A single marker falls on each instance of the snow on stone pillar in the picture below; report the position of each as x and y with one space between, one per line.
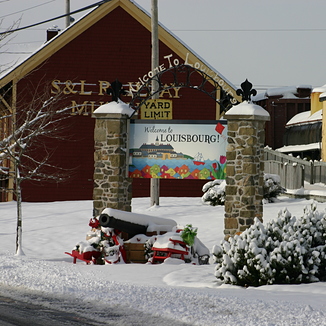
112 187
245 167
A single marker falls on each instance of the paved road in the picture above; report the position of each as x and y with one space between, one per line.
36 310
13 312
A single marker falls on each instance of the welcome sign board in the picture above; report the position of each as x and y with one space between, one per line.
177 149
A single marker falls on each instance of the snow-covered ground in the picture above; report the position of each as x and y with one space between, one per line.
182 292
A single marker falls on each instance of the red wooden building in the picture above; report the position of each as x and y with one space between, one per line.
282 104
111 42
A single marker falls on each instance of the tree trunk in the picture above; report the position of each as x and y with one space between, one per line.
19 230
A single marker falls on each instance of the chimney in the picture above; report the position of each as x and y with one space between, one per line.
52 32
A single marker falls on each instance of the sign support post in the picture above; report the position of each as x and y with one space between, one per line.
155 183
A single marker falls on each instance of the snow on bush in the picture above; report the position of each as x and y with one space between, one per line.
214 191
272 187
288 250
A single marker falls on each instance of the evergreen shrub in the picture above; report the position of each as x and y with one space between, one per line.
289 250
214 191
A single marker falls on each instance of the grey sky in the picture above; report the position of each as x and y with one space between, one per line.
273 43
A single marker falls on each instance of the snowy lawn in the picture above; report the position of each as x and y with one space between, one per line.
183 292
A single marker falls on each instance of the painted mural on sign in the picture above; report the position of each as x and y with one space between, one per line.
176 149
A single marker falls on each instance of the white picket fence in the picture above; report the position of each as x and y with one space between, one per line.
293 171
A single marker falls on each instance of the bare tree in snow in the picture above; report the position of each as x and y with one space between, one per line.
24 153
5 38
26 146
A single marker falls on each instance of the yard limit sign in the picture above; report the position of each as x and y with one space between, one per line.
156 109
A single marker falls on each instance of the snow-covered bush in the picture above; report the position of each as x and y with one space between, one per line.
272 187
287 250
214 191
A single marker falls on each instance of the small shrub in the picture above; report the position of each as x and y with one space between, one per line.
288 250
214 191
188 235
272 187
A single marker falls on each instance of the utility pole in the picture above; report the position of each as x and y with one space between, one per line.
67 12
155 183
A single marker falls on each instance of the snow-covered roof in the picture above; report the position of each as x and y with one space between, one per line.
299 148
286 92
320 89
259 97
305 118
322 96
25 58
85 17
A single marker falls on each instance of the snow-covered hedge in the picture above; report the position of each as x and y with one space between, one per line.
287 250
214 191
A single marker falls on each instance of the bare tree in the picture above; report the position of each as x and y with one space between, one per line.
5 38
26 147
24 153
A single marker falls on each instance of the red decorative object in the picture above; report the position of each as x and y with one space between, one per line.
219 128
222 159
122 249
94 223
88 257
160 254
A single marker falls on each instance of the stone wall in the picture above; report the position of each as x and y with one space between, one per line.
112 187
245 168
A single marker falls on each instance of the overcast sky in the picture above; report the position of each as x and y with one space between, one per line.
273 43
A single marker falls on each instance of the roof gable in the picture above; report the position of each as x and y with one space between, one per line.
80 26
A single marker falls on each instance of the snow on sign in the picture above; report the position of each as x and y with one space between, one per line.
177 149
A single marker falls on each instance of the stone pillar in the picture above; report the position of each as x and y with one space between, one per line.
112 187
245 167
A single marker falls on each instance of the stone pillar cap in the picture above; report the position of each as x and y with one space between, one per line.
113 108
247 110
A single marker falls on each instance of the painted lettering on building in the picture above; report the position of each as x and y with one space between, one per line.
87 107
84 88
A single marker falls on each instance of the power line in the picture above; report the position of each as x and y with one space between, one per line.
10 52
20 43
55 18
17 12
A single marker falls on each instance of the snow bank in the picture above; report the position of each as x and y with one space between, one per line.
188 293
